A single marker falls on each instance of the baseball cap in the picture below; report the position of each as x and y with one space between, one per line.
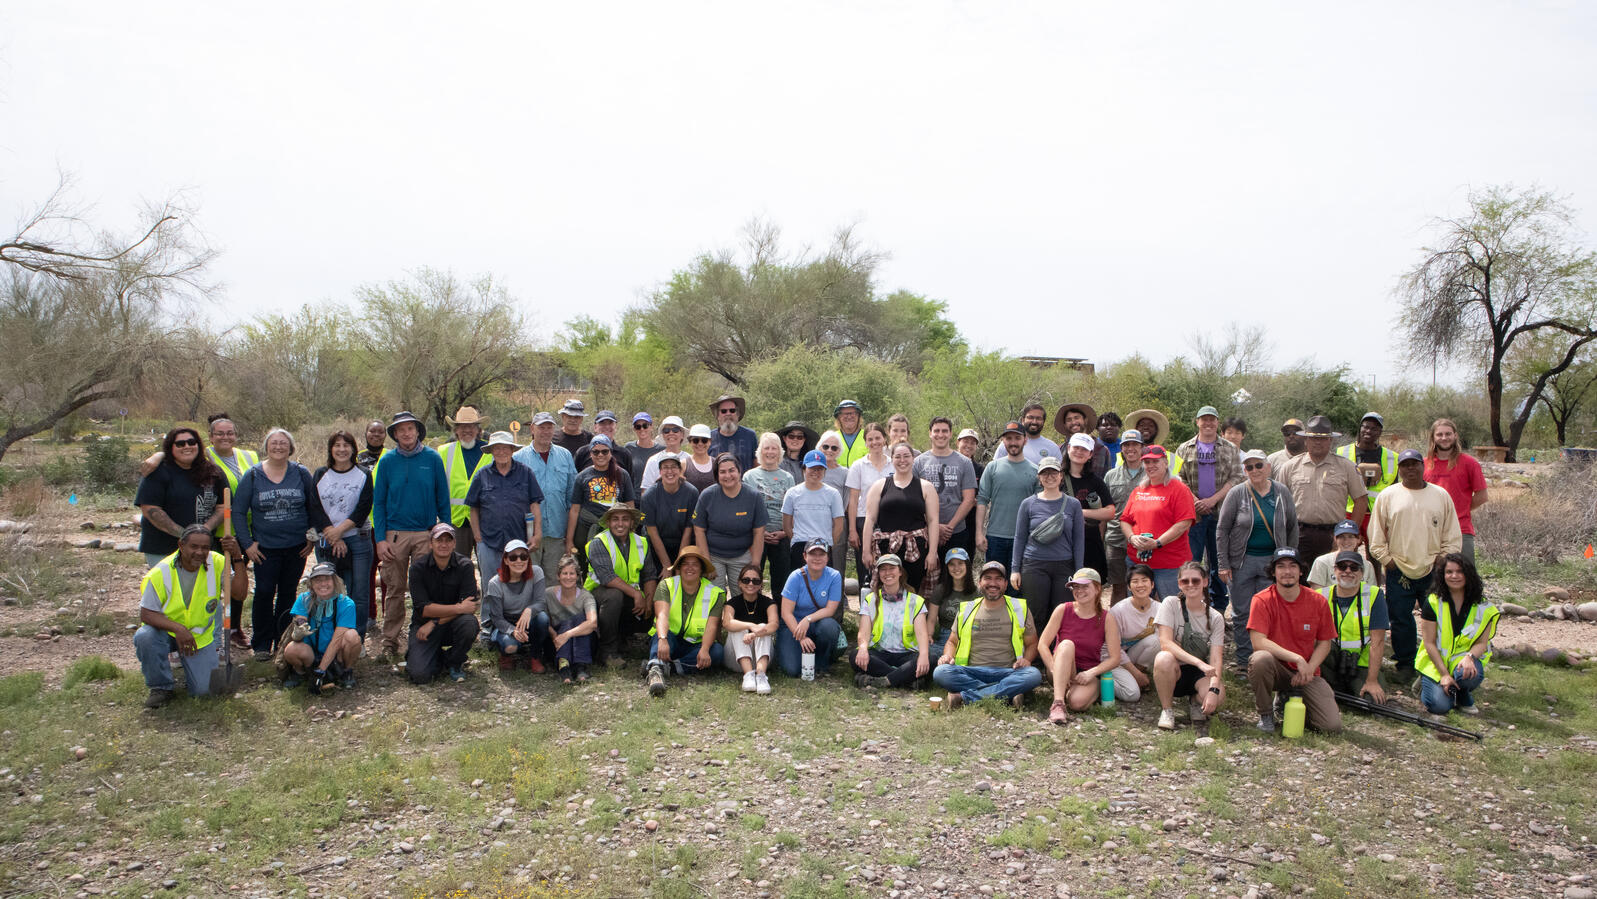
819 543
1206 410
443 529
699 431
1375 415
968 432
1047 463
1254 454
957 552
542 418
1086 576
1285 553
672 421
1292 424
1084 441
514 545
889 559
323 569
601 440
1013 427
1153 451
1410 455
994 565
574 407
604 415
643 417
1345 526
1130 436
814 459
1350 556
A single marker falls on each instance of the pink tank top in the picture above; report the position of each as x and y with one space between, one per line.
1086 633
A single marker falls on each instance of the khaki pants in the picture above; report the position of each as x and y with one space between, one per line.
1266 675
405 546
546 555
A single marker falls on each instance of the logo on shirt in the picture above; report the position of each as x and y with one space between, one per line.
1305 627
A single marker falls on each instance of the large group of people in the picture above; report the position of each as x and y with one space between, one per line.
1104 565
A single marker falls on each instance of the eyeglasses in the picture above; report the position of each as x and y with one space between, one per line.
517 557
698 440
640 425
1252 465
748 580
185 442
1189 580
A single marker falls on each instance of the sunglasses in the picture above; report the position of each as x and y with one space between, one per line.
640 425
1190 580
748 580
1252 465
599 452
831 449
796 435
671 429
1349 567
517 557
185 443
728 410
698 440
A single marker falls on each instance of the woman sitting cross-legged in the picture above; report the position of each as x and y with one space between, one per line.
894 631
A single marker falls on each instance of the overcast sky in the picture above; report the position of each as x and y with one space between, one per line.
1073 179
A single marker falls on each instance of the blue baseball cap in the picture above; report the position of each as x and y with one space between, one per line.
601 440
814 459
957 552
1345 526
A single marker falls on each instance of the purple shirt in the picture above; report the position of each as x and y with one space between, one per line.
1206 459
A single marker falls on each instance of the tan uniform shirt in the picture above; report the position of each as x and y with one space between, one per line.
1278 460
1321 490
1410 528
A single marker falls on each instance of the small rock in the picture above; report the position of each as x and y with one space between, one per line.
1386 857
1207 741
87 526
407 847
1110 845
80 752
1579 893
1170 824
1556 594
1320 839
983 786
1494 827
1510 608
169 884
1587 611
1551 656
135 866
651 825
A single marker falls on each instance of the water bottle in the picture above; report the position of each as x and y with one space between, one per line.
1292 718
1106 688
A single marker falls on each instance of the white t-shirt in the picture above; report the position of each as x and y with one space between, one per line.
1134 625
340 492
862 475
1210 626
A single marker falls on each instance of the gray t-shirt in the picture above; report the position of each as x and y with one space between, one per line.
559 612
812 511
1207 625
729 521
185 580
950 476
1004 484
771 486
503 603
1120 481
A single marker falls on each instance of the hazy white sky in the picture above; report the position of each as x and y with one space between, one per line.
1119 172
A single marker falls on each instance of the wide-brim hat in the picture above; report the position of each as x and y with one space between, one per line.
1161 420
502 438
634 514
736 401
401 418
466 415
1319 426
691 553
1085 410
810 437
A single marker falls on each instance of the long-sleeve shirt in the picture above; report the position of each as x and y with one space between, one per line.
277 515
1034 510
429 584
411 492
502 603
556 475
1410 528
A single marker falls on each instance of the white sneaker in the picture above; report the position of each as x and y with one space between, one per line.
1167 719
762 685
748 681
1195 712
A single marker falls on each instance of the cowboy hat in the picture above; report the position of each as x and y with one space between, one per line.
1159 418
466 415
708 572
1085 410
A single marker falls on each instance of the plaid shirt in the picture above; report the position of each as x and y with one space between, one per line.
1227 464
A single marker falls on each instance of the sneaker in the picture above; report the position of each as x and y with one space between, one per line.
762 685
263 656
507 662
457 675
1266 724
656 680
1195 712
1471 709
1057 713
1167 719
582 674
292 680
347 680
749 682
157 698
535 665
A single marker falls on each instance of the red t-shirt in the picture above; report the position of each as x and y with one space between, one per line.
1461 480
1296 625
1154 510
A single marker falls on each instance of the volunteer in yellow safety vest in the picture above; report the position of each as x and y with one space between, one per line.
1456 628
1368 445
974 665
687 610
181 608
1358 609
463 458
619 563
850 427
894 633
223 451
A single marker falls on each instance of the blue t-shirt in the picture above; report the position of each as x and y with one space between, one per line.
322 626
811 596
503 502
741 444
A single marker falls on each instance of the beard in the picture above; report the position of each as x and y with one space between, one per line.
728 428
1032 428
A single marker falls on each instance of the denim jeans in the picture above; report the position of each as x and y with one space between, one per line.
1201 538
1402 593
1165 582
972 682
276 580
487 563
1248 578
789 655
537 644
577 650
685 654
355 570
152 646
1439 702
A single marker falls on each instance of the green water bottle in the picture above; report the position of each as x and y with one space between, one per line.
1292 718
1106 688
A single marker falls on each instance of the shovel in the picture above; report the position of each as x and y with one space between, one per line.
225 678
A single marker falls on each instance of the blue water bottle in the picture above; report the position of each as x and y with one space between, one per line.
1106 688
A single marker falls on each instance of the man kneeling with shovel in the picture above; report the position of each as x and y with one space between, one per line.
322 637
181 608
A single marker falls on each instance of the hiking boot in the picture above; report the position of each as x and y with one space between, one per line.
953 701
535 665
1057 713
507 662
292 680
457 674
762 685
1471 709
1266 724
582 674
657 679
262 655
347 679
1167 719
1018 701
749 682
236 635
157 698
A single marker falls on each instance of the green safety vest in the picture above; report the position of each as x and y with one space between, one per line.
1482 620
698 616
246 460
858 451
1388 471
198 617
964 623
1353 627
460 479
914 605
629 569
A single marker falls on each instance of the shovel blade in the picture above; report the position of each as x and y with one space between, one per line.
226 680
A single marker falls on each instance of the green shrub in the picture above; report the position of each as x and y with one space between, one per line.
62 471
108 463
90 668
20 688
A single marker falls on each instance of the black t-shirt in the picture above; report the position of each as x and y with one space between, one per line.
597 490
573 442
640 456
619 455
1092 493
170 488
671 513
756 612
